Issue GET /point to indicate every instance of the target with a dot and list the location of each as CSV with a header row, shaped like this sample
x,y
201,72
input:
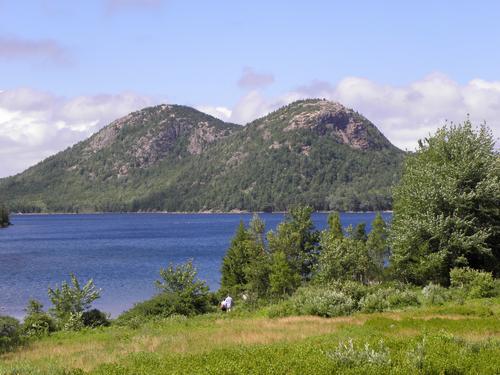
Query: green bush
x,y
388,298
472,283
10,331
38,324
95,318
435,294
353,289
316,301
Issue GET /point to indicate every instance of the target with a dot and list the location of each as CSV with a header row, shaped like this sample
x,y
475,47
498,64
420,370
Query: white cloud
x,y
35,124
222,113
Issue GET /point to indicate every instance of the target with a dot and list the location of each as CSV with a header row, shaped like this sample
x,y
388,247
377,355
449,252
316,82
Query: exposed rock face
x,y
150,135
202,136
333,119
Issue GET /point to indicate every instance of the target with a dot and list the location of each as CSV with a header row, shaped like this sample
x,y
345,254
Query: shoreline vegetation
x,y
235,212
418,295
4,217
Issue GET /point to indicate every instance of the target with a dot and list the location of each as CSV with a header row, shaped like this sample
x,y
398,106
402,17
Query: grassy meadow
x,y
449,339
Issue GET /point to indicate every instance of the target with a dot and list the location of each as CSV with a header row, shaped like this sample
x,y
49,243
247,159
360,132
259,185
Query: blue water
x,y
121,252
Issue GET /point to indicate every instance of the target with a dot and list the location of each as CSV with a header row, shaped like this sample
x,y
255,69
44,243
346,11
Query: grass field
x,y
449,339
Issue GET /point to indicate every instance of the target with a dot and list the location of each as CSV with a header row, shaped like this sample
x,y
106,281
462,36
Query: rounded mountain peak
x,y
327,119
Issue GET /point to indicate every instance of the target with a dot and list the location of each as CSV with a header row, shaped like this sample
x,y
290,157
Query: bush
x,y
10,330
473,283
322,302
353,289
165,305
95,318
347,354
435,294
388,298
38,324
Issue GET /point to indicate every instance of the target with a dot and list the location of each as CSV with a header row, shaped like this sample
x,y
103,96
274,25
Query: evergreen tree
x,y
334,225
235,261
359,232
298,240
283,280
447,206
377,247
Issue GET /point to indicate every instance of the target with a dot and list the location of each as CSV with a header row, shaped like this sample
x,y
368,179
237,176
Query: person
x,y
229,303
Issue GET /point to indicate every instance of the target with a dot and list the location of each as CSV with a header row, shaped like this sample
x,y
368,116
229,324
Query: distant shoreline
x,y
184,212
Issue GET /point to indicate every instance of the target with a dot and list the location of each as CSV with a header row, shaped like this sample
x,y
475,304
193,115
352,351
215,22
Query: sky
x,y
69,68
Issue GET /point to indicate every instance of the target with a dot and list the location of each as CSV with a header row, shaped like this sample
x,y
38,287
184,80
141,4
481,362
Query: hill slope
x,y
178,159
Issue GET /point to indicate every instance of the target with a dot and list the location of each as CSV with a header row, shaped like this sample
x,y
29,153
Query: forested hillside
x,y
176,158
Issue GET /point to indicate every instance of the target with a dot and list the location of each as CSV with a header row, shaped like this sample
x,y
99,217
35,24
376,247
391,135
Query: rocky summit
x,y
175,158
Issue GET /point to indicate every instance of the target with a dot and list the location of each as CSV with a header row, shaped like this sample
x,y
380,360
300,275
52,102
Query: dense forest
x,y
175,158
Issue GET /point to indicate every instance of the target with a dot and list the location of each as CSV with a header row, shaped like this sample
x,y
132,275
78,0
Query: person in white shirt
x,y
229,303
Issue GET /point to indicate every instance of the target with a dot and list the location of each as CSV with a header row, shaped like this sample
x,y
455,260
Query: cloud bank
x,y
36,124
404,114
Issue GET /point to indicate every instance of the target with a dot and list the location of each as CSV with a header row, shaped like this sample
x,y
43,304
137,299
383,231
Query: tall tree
x,y
377,247
334,225
235,261
298,240
447,206
282,279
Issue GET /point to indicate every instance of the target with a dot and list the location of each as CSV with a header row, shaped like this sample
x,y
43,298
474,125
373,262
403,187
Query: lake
x,y
121,252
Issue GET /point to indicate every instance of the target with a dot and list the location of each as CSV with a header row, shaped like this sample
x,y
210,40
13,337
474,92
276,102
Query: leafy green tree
x,y
447,206
283,280
71,300
342,259
334,225
180,284
298,240
377,247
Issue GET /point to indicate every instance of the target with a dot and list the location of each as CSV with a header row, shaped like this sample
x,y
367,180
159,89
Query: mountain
x,y
176,158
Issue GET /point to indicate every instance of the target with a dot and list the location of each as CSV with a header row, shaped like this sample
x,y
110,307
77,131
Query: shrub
x,y
435,294
71,300
281,309
73,322
38,324
322,302
95,318
10,330
473,283
348,355
353,289
388,298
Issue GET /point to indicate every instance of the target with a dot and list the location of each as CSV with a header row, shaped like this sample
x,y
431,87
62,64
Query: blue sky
x,y
238,60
